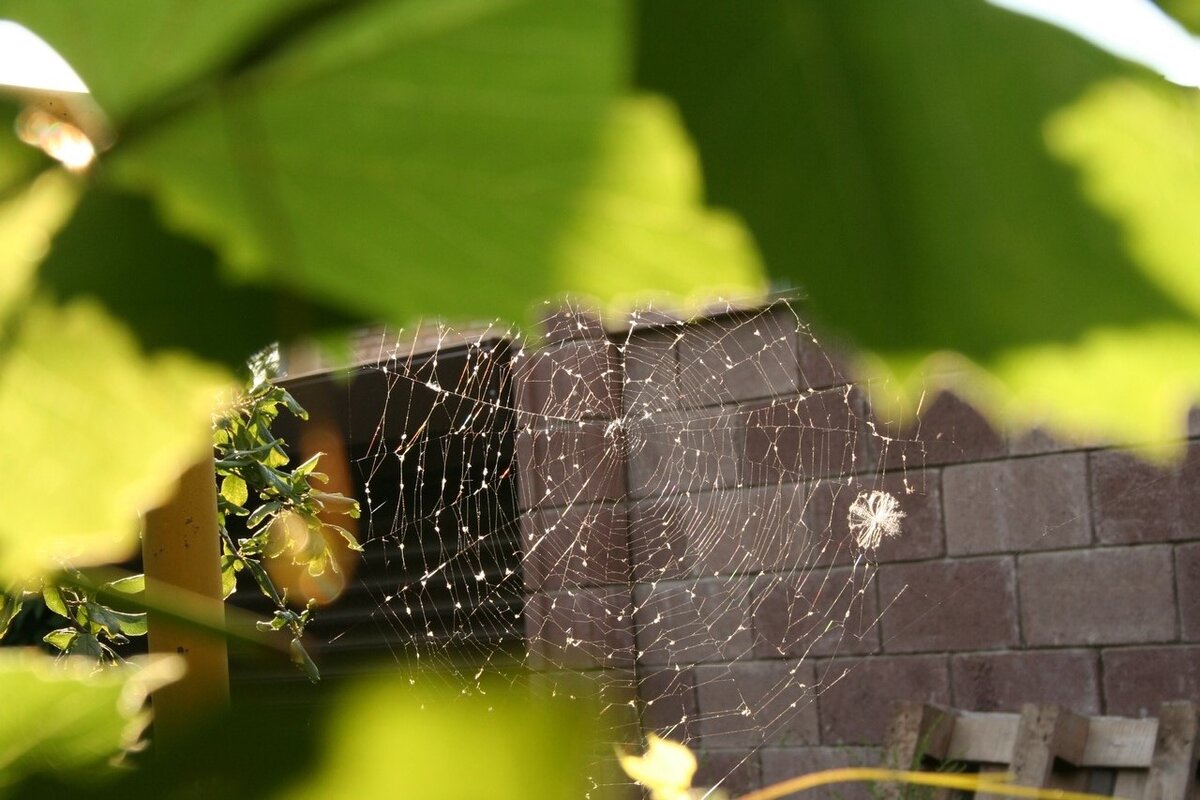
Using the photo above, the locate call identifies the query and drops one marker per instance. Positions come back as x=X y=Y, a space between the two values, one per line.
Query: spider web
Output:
x=655 y=518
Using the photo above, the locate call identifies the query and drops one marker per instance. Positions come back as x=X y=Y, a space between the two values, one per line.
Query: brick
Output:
x=570 y=322
x=820 y=612
x=579 y=546
x=782 y=763
x=822 y=364
x=1140 y=502
x=530 y=386
x=682 y=623
x=1039 y=441
x=578 y=464
x=857 y=695
x=1006 y=681
x=530 y=487
x=1139 y=679
x=1113 y=596
x=948 y=431
x=668 y=701
x=683 y=452
x=584 y=380
x=739 y=357
x=948 y=605
x=1025 y=504
x=720 y=532
x=1187 y=577
x=797 y=439
x=921 y=536
x=752 y=702
x=579 y=629
x=650 y=363
x=734 y=771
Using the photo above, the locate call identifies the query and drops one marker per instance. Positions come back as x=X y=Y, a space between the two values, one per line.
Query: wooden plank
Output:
x=916 y=730
x=983 y=738
x=1172 y=773
x=1130 y=784
x=1120 y=742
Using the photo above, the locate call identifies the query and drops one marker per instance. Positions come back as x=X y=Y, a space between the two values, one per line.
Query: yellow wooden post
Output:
x=181 y=554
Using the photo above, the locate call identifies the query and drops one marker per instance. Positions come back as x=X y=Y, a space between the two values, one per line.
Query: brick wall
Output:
x=670 y=552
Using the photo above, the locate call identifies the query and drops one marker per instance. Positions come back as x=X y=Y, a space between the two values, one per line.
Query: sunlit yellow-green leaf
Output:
x=666 y=768
x=93 y=432
x=389 y=739
x=27 y=222
x=641 y=229
x=62 y=715
x=1136 y=145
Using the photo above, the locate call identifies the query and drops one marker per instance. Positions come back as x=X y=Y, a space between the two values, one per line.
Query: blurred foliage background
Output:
x=951 y=187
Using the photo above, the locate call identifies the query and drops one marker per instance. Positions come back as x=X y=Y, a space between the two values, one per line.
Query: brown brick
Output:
x=682 y=623
x=530 y=488
x=1025 y=504
x=857 y=695
x=1187 y=576
x=1039 y=441
x=800 y=438
x=1139 y=679
x=734 y=771
x=668 y=699
x=920 y=496
x=579 y=546
x=948 y=605
x=1140 y=502
x=752 y=702
x=1006 y=681
x=570 y=322
x=530 y=387
x=818 y=612
x=650 y=364
x=580 y=629
x=782 y=763
x=822 y=363
x=584 y=380
x=684 y=452
x=948 y=431
x=1114 y=596
x=720 y=532
x=579 y=463
x=739 y=357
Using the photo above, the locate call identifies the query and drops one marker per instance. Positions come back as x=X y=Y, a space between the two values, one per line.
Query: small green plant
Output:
x=282 y=513
x=271 y=502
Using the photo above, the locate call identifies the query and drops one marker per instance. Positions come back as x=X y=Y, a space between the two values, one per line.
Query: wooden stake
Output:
x=181 y=554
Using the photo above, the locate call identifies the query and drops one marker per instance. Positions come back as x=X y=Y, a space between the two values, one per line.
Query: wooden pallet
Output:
x=1152 y=758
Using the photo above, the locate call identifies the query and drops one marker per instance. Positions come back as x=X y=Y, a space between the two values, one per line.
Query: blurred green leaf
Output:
x=138 y=50
x=641 y=230
x=64 y=716
x=168 y=287
x=387 y=739
x=378 y=160
x=96 y=432
x=903 y=163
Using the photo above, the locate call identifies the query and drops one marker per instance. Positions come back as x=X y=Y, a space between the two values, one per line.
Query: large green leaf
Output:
x=916 y=168
x=115 y=251
x=93 y=432
x=64 y=716
x=137 y=51
x=404 y=158
x=383 y=739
